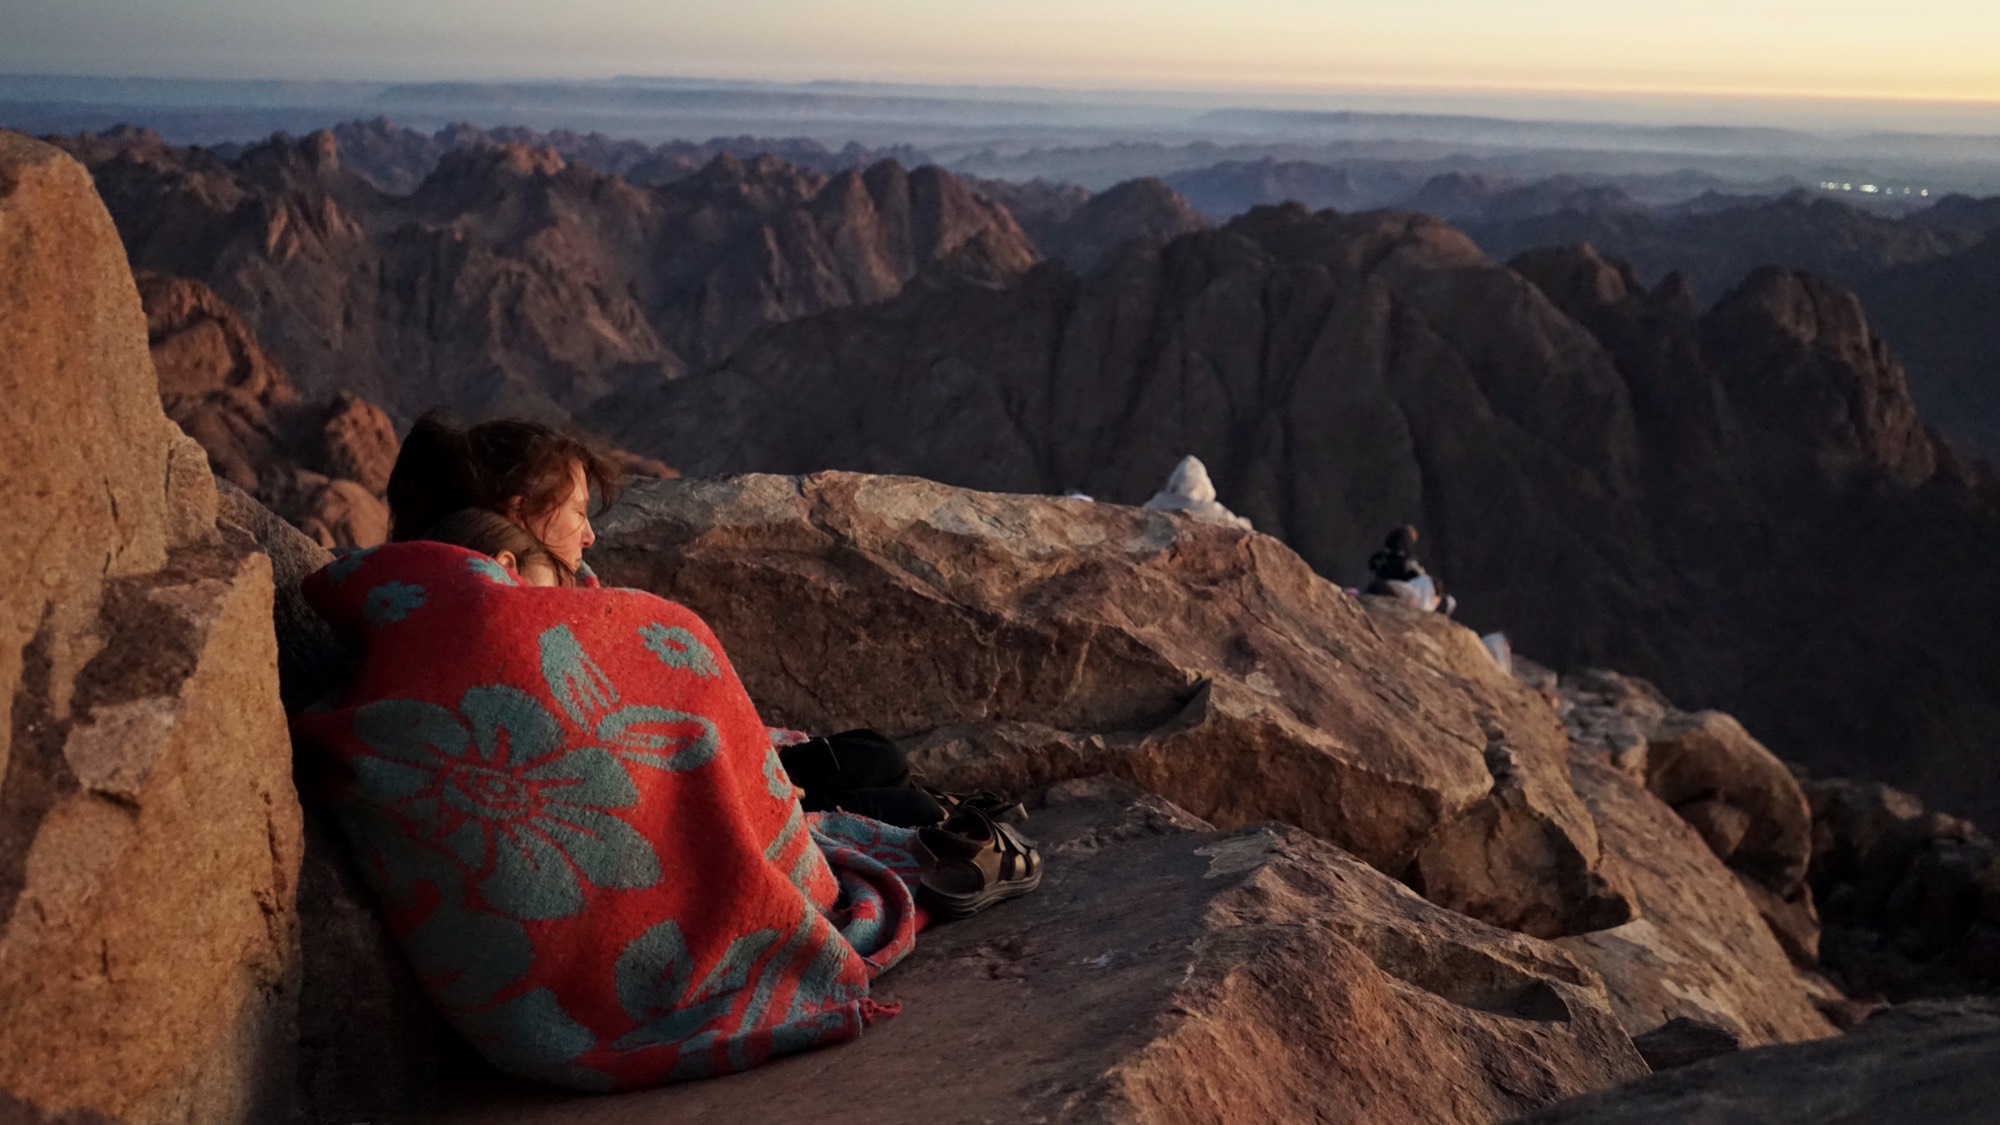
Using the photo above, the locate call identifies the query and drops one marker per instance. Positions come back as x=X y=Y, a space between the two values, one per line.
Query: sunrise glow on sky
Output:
x=1945 y=50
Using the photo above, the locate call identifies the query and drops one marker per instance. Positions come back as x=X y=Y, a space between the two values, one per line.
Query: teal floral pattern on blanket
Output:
x=582 y=834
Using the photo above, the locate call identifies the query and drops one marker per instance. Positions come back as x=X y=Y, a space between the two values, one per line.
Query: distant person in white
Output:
x=1397 y=574
x=1189 y=490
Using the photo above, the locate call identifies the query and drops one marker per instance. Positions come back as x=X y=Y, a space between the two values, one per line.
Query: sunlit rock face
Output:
x=1202 y=662
x=149 y=833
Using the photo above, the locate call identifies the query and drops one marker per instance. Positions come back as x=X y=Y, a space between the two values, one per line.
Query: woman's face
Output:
x=565 y=529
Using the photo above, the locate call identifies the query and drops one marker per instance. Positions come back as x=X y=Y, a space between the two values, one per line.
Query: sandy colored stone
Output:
x=1743 y=802
x=192 y=501
x=1168 y=973
x=149 y=855
x=1708 y=759
x=86 y=444
x=1722 y=825
x=149 y=833
x=1698 y=948
x=1023 y=640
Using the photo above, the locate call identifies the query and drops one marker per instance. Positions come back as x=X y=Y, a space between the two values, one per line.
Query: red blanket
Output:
x=580 y=832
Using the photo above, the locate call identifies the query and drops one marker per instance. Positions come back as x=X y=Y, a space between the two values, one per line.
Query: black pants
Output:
x=859 y=771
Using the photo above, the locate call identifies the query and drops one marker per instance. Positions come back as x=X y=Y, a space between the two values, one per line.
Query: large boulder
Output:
x=1698 y=950
x=1168 y=973
x=1713 y=773
x=1744 y=803
x=1019 y=641
x=149 y=834
x=84 y=441
x=1937 y=1063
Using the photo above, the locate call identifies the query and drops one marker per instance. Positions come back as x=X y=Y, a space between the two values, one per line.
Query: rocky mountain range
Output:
x=1465 y=199
x=398 y=160
x=1714 y=244
x=1943 y=316
x=1925 y=274
x=1225 y=190
x=1742 y=505
x=1927 y=278
x=322 y=466
x=514 y=281
x=624 y=324
x=1082 y=228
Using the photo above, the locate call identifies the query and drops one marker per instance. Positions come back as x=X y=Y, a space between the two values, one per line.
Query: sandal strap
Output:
x=995 y=806
x=1018 y=856
x=999 y=852
x=969 y=829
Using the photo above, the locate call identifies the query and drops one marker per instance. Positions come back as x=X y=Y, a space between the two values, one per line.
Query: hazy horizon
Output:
x=1832 y=115
x=1837 y=63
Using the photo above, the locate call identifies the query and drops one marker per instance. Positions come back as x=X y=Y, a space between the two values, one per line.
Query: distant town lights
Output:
x=1875 y=189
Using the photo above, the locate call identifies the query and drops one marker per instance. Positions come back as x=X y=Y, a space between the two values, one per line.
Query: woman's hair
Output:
x=444 y=469
x=489 y=533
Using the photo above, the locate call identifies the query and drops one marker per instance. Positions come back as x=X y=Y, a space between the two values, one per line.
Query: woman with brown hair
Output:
x=536 y=476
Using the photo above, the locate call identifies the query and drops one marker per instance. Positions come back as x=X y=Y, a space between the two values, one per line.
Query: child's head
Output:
x=510 y=544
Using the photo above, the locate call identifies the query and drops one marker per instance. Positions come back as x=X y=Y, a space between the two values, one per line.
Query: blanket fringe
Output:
x=873 y=1013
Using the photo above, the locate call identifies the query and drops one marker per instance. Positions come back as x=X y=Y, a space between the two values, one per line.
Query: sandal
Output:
x=997 y=808
x=980 y=863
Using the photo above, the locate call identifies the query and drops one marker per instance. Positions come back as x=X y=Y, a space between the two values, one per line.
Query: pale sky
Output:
x=1943 y=50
